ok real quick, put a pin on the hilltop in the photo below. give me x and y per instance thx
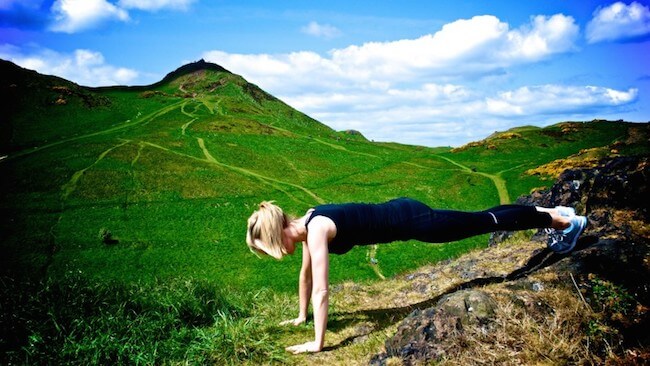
(124, 212)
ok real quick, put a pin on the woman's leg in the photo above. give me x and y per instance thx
(559, 222)
(447, 225)
(518, 217)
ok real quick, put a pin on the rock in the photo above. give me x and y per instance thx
(624, 262)
(619, 183)
(615, 247)
(470, 306)
(614, 197)
(499, 237)
(424, 334)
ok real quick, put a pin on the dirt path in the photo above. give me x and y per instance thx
(71, 185)
(244, 171)
(334, 146)
(499, 182)
(139, 121)
(185, 126)
(275, 183)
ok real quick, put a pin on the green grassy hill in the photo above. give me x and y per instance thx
(173, 170)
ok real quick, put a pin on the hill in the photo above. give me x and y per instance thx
(126, 205)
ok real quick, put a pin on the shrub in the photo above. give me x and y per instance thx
(106, 236)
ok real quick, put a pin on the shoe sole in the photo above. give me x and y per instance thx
(582, 221)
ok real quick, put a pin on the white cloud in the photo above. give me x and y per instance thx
(84, 67)
(619, 21)
(321, 30)
(480, 44)
(153, 5)
(427, 90)
(439, 115)
(71, 16)
(374, 99)
(463, 48)
(543, 37)
(553, 99)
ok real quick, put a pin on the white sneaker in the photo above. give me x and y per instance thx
(566, 211)
(563, 241)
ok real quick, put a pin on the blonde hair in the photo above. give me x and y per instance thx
(264, 235)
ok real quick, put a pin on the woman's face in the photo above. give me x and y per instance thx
(289, 245)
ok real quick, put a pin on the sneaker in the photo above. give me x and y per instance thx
(566, 211)
(563, 241)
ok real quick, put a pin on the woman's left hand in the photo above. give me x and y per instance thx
(305, 347)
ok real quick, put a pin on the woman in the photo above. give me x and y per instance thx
(337, 228)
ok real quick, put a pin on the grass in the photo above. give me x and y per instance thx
(528, 335)
(76, 321)
(550, 326)
(172, 172)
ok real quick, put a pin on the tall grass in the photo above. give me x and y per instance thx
(76, 321)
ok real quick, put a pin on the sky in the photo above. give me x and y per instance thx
(432, 73)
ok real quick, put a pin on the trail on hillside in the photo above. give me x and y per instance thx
(244, 171)
(71, 185)
(139, 121)
(275, 183)
(334, 146)
(67, 189)
(499, 182)
(374, 263)
(186, 125)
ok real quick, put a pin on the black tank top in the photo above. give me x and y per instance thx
(367, 223)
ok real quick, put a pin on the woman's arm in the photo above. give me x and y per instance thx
(318, 251)
(305, 284)
(320, 294)
(304, 288)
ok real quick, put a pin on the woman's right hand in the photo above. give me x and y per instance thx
(297, 321)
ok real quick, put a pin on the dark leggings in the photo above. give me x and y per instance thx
(438, 226)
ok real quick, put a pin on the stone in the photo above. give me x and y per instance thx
(422, 335)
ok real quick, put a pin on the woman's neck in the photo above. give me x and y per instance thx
(297, 229)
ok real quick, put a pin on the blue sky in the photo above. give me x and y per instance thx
(432, 73)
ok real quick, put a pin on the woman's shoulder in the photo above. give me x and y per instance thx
(322, 227)
(319, 217)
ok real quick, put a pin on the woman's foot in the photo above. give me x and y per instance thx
(563, 241)
(566, 211)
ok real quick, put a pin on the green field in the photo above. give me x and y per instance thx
(173, 171)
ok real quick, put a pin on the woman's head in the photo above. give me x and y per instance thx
(264, 235)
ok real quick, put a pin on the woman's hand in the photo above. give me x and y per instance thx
(305, 347)
(297, 321)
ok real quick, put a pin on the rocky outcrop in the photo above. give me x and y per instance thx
(609, 270)
(422, 335)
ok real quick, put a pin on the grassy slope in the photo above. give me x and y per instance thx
(174, 170)
(177, 172)
(511, 153)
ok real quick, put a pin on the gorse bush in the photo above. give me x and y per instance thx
(74, 321)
